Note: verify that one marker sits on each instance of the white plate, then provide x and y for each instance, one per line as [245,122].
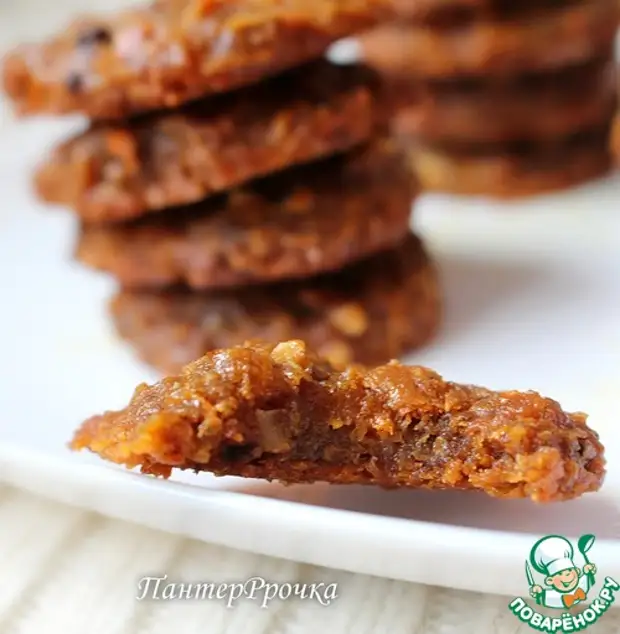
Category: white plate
[533,301]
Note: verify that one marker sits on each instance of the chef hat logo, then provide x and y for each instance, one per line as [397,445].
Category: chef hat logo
[552,554]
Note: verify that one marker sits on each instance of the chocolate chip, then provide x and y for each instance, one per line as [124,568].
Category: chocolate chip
[94,36]
[75,83]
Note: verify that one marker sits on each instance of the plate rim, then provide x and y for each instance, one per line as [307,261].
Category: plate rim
[476,551]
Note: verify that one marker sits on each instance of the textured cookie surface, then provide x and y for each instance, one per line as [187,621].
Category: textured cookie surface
[173,51]
[119,171]
[511,175]
[544,39]
[370,312]
[536,107]
[297,223]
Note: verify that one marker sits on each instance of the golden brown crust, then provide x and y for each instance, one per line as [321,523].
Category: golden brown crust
[300,222]
[503,175]
[280,412]
[569,34]
[543,106]
[173,51]
[369,312]
[119,171]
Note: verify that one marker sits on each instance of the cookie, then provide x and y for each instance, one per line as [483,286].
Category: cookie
[535,107]
[501,174]
[119,171]
[300,222]
[568,34]
[174,51]
[368,312]
[281,412]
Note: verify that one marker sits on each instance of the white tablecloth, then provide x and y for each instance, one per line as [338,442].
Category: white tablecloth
[67,571]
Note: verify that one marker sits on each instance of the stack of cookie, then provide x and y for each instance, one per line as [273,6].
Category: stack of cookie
[502,98]
[274,207]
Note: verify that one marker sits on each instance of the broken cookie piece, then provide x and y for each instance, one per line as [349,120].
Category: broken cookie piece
[279,412]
